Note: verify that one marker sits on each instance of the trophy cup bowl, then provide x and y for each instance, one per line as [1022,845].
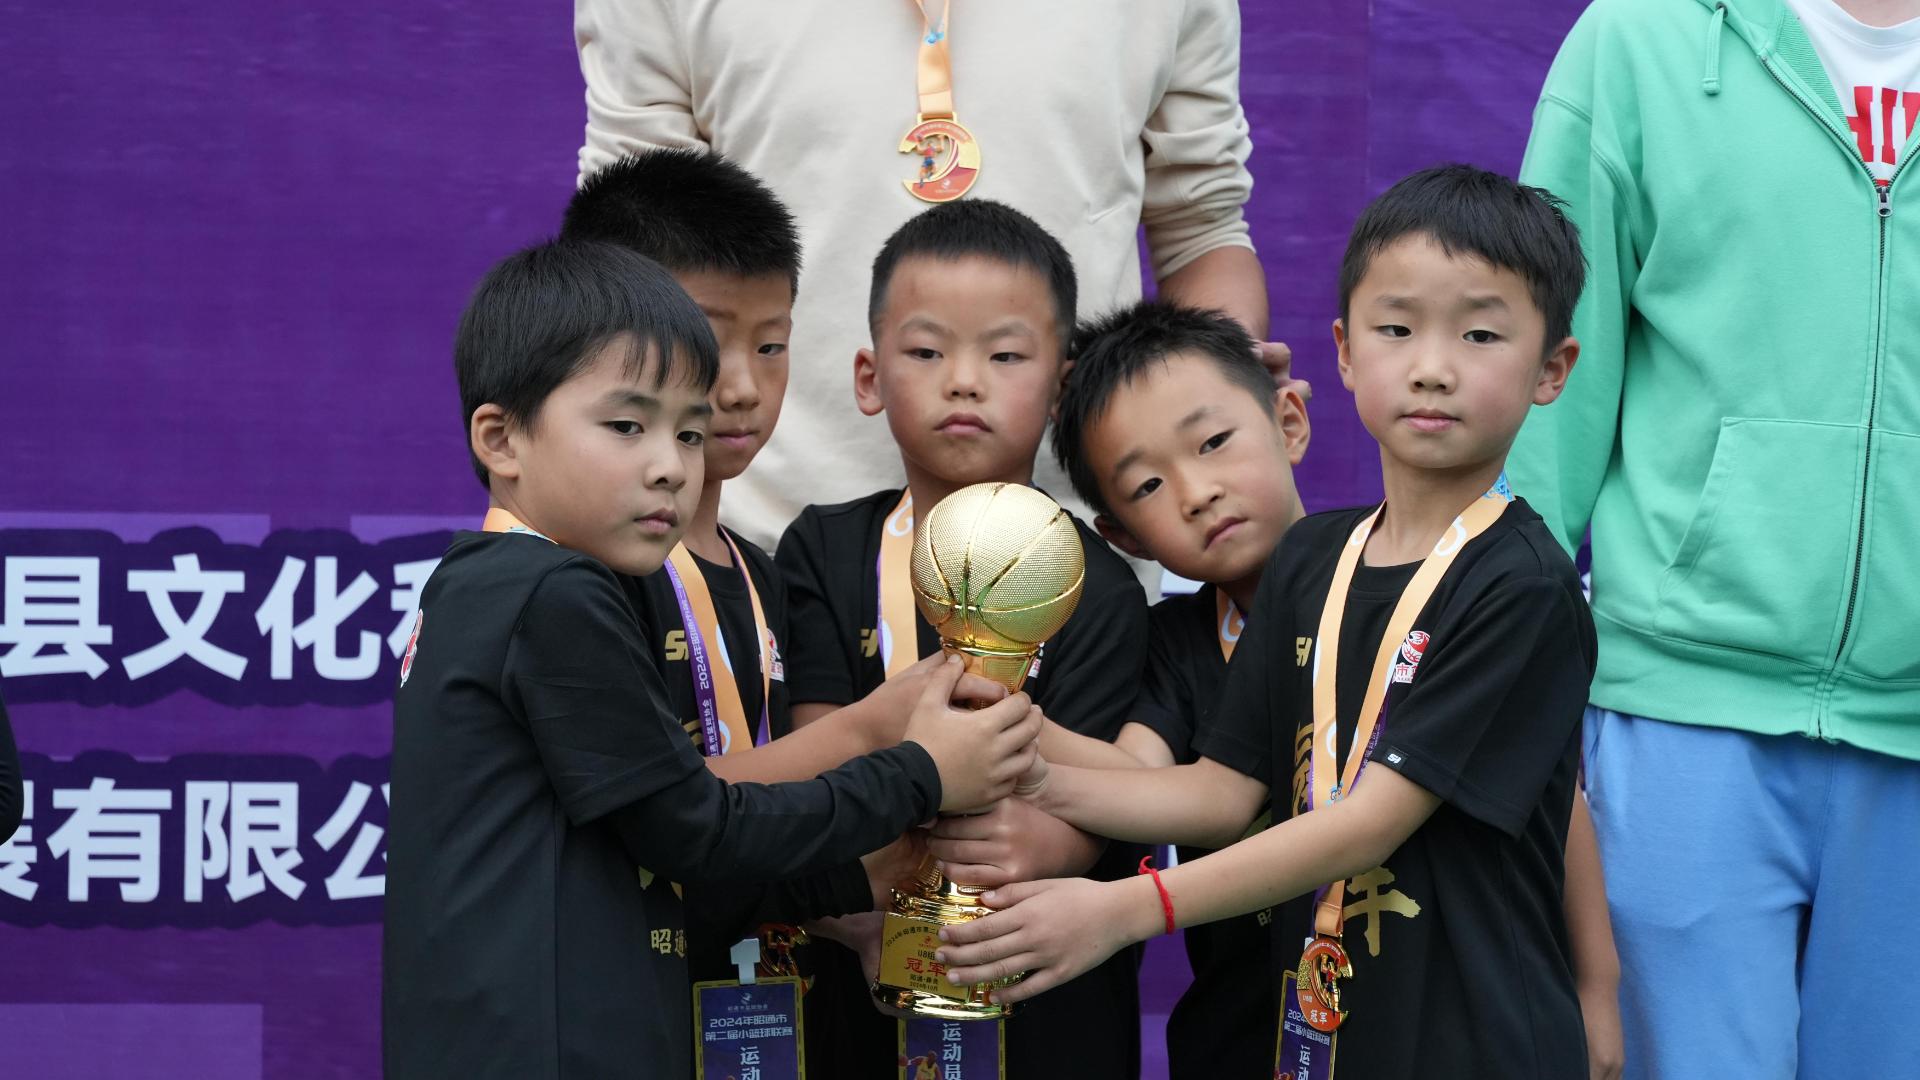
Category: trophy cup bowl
[997,570]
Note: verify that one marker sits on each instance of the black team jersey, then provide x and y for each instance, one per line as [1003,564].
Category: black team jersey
[716,916]
[1461,961]
[544,799]
[1088,676]
[1224,1026]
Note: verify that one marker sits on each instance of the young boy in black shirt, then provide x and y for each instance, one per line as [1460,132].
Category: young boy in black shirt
[971,307]
[1437,652]
[543,794]
[716,613]
[1172,430]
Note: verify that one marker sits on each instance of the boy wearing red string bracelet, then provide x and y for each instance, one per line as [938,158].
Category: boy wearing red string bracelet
[1420,667]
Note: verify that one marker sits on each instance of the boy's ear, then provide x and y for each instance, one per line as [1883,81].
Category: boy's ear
[490,435]
[1059,388]
[866,383]
[1554,372]
[1290,409]
[1346,356]
[1116,534]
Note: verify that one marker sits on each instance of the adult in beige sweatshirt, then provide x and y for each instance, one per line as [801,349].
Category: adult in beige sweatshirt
[1096,117]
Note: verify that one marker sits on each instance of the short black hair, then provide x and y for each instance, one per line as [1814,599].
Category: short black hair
[539,316]
[1470,211]
[688,210]
[988,230]
[1112,351]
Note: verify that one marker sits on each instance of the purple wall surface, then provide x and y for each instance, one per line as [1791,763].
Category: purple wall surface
[237,237]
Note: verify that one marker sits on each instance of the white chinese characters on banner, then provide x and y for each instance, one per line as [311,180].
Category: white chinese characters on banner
[113,835]
[320,630]
[185,637]
[350,879]
[53,603]
[295,618]
[246,832]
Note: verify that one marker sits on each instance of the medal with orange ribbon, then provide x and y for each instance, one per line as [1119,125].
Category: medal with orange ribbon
[946,153]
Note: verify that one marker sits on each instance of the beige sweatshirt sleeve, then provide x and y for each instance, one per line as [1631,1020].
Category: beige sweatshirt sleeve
[1197,140]
[635,67]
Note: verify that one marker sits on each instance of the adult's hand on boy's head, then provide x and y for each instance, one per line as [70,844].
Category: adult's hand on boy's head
[1052,930]
[1277,358]
[893,864]
[1014,841]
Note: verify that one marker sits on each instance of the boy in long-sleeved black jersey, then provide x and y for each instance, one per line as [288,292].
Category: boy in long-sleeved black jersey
[545,795]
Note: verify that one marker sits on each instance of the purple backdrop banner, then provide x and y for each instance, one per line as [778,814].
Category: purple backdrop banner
[237,239]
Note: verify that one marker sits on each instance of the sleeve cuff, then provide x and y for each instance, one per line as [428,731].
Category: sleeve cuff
[913,760]
[1172,729]
[1234,754]
[1449,788]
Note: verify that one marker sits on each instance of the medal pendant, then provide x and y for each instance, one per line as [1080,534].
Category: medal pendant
[1317,982]
[949,160]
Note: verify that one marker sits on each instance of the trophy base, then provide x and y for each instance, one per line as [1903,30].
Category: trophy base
[912,983]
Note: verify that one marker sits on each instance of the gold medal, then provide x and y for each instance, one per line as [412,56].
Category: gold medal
[949,160]
[948,155]
[1316,982]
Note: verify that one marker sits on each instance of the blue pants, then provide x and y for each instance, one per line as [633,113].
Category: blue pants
[1766,901]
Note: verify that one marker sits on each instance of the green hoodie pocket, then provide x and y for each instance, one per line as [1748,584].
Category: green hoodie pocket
[1764,564]
[1886,613]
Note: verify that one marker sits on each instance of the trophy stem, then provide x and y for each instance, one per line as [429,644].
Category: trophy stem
[1008,667]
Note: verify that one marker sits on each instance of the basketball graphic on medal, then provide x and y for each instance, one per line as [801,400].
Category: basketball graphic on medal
[1317,983]
[948,160]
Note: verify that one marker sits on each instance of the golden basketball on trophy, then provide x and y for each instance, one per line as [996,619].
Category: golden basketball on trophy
[997,570]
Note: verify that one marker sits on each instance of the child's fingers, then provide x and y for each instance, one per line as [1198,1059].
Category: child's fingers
[940,684]
[985,960]
[1005,713]
[989,875]
[973,687]
[965,851]
[965,827]
[1026,963]
[1038,981]
[998,899]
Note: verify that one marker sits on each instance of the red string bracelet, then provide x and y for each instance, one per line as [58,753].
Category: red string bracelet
[1166,901]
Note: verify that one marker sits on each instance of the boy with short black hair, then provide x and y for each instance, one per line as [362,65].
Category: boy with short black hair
[1173,431]
[536,763]
[971,308]
[716,614]
[1438,649]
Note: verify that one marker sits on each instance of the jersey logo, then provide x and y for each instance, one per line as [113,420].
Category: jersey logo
[870,643]
[776,668]
[1302,649]
[413,646]
[676,645]
[1411,650]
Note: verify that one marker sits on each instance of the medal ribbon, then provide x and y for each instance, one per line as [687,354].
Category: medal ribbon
[935,75]
[501,521]
[899,627]
[1322,789]
[715,689]
[1228,622]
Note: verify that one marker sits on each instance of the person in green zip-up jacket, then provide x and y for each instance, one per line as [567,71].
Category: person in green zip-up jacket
[1744,444]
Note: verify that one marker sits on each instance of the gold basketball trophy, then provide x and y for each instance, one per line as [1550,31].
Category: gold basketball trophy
[997,570]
